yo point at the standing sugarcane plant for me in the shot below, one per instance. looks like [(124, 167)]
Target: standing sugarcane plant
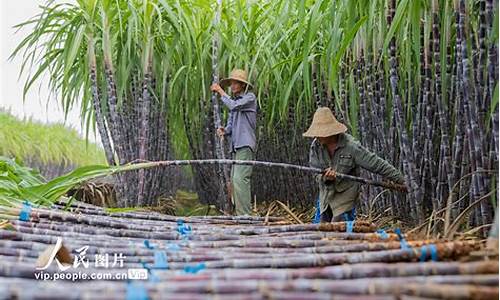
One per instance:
[(416, 82), (224, 195), (106, 55)]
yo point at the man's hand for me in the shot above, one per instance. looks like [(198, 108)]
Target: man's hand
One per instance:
[(221, 132), (330, 174), (216, 88)]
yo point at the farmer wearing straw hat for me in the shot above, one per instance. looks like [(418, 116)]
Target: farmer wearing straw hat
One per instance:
[(334, 150), (241, 127)]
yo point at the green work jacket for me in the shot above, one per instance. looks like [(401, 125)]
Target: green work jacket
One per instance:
[(341, 195)]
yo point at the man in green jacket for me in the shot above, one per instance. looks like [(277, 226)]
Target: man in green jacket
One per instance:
[(336, 151)]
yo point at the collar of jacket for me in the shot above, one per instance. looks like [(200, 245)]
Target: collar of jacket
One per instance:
[(240, 95)]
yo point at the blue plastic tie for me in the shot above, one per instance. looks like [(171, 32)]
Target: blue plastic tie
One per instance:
[(317, 214), (195, 269), (184, 229), (24, 215), (434, 253), (153, 277), (403, 242), (398, 232), (173, 247), (160, 261), (136, 291), (383, 234), (349, 226), (148, 244), (423, 254)]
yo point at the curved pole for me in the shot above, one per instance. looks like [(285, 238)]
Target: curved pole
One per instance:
[(167, 163)]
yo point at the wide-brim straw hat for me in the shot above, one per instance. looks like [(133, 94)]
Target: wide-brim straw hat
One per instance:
[(238, 75), (324, 124)]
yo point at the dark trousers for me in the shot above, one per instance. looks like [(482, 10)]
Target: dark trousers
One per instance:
[(327, 217)]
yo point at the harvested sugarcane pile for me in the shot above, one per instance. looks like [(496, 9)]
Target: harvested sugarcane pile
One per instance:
[(227, 258)]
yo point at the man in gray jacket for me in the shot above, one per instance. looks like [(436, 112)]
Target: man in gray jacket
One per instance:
[(241, 127)]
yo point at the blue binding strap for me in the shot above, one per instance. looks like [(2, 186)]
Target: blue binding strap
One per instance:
[(423, 253), (160, 261), (136, 291), (434, 253), (182, 228), (317, 213), (160, 257), (195, 269), (383, 235), (151, 275), (349, 226), (403, 242), (148, 244), (24, 215), (173, 247)]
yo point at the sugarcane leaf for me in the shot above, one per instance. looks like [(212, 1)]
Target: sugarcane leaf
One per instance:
[(346, 41), (461, 217), (493, 106), (398, 17)]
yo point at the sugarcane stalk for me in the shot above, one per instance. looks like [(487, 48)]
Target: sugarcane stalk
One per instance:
[(114, 114), (96, 101), (146, 165), (315, 84), (445, 250), (474, 134), (441, 104), (223, 172), (452, 287), (404, 143), (144, 115)]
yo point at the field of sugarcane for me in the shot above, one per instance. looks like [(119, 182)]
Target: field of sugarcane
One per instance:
[(416, 82)]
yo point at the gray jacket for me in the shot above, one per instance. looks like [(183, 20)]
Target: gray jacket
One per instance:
[(242, 120)]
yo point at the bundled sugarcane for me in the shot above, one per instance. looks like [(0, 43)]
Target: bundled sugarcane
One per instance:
[(317, 260)]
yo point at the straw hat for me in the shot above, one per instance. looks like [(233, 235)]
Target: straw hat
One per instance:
[(236, 74), (324, 124)]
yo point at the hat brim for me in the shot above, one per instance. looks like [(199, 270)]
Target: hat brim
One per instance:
[(227, 82), (326, 131)]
